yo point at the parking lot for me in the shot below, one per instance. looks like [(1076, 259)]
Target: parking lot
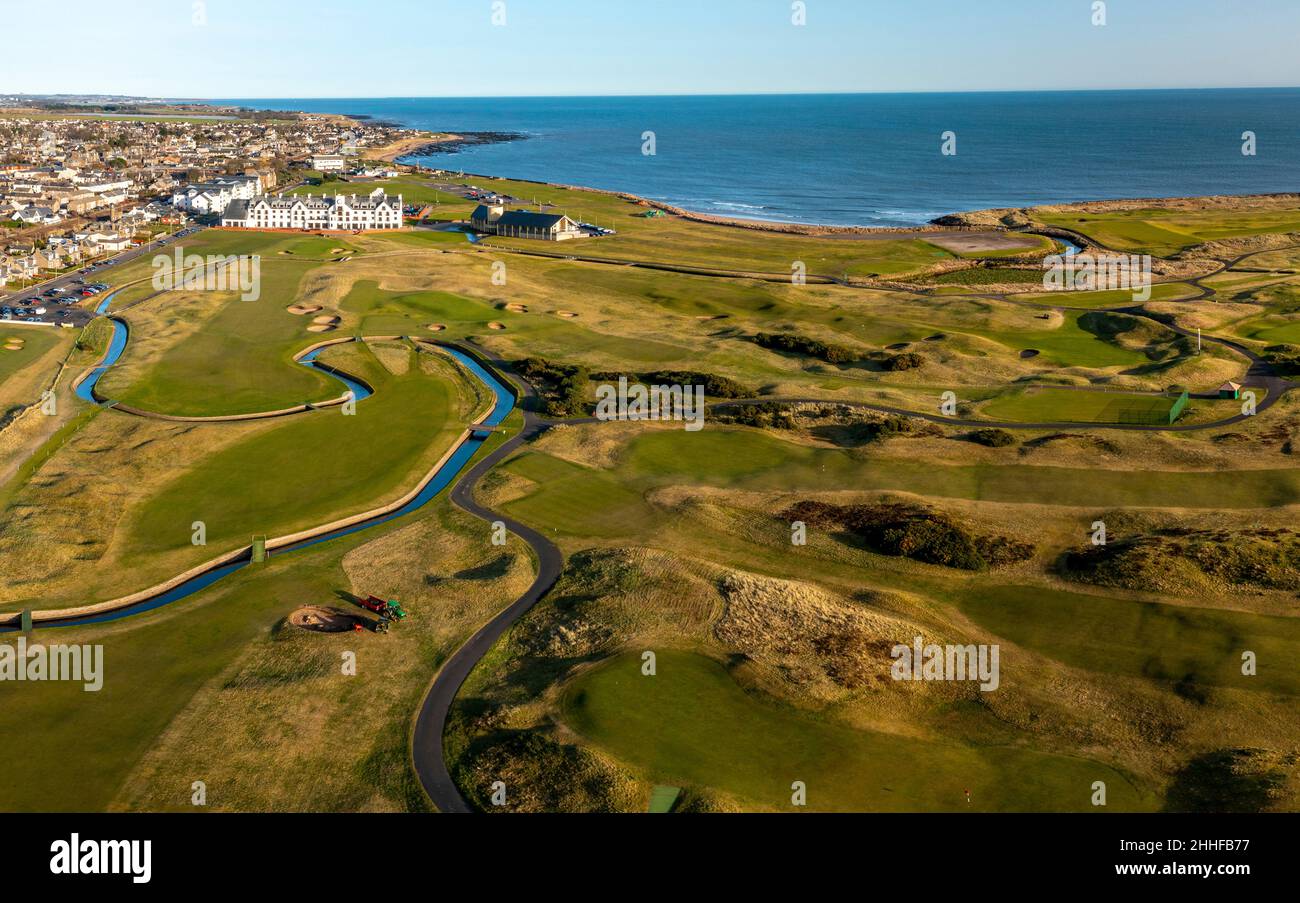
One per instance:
[(70, 300)]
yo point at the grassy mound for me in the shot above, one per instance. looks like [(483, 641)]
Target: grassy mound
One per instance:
[(541, 775), (915, 532), (1157, 343), (812, 636), (1179, 559)]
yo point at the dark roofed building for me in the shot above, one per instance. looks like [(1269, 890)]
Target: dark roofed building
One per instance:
[(496, 220)]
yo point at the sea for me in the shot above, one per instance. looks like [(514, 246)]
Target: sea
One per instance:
[(870, 159)]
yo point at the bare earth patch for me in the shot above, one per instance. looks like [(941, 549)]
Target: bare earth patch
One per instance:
[(324, 620), (977, 242)]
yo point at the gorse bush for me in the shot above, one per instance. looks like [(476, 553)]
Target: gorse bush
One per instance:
[(562, 388), (915, 532), (908, 360), (767, 415), (1258, 558), (809, 347), (992, 438), (1284, 358), (714, 386)]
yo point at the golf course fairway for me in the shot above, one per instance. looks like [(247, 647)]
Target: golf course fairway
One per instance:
[(691, 723)]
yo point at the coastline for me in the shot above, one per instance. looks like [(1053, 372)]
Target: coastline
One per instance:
[(1001, 219), (423, 144), (432, 144)]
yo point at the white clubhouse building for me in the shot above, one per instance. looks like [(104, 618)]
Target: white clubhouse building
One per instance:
[(338, 212), (216, 195)]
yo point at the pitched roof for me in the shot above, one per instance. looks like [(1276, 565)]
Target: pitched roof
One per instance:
[(525, 219)]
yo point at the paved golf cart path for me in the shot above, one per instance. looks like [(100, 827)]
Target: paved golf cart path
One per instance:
[(431, 722)]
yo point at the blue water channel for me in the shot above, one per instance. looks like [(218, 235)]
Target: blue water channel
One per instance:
[(117, 345), (451, 468)]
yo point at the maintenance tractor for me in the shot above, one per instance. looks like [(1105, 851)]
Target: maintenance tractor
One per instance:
[(389, 609)]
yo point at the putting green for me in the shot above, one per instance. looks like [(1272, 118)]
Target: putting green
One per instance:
[(1073, 344), (1287, 333), (1047, 405), (578, 501), (691, 723)]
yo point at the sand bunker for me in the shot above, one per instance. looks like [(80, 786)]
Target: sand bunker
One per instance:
[(9, 346), (338, 250), (327, 320), (435, 327), (496, 326), (324, 620), (899, 346), (322, 327), (567, 314), (517, 308), (302, 310)]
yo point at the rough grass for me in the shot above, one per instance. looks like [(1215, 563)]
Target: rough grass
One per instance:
[(327, 741)]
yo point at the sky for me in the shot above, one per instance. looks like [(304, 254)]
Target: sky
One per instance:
[(451, 48)]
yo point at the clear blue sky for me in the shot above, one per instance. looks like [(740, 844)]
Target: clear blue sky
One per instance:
[(360, 48)]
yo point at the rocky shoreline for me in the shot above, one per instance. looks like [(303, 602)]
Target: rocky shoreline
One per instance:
[(454, 143)]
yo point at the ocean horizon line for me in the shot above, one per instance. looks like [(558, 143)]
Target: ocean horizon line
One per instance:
[(985, 92)]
